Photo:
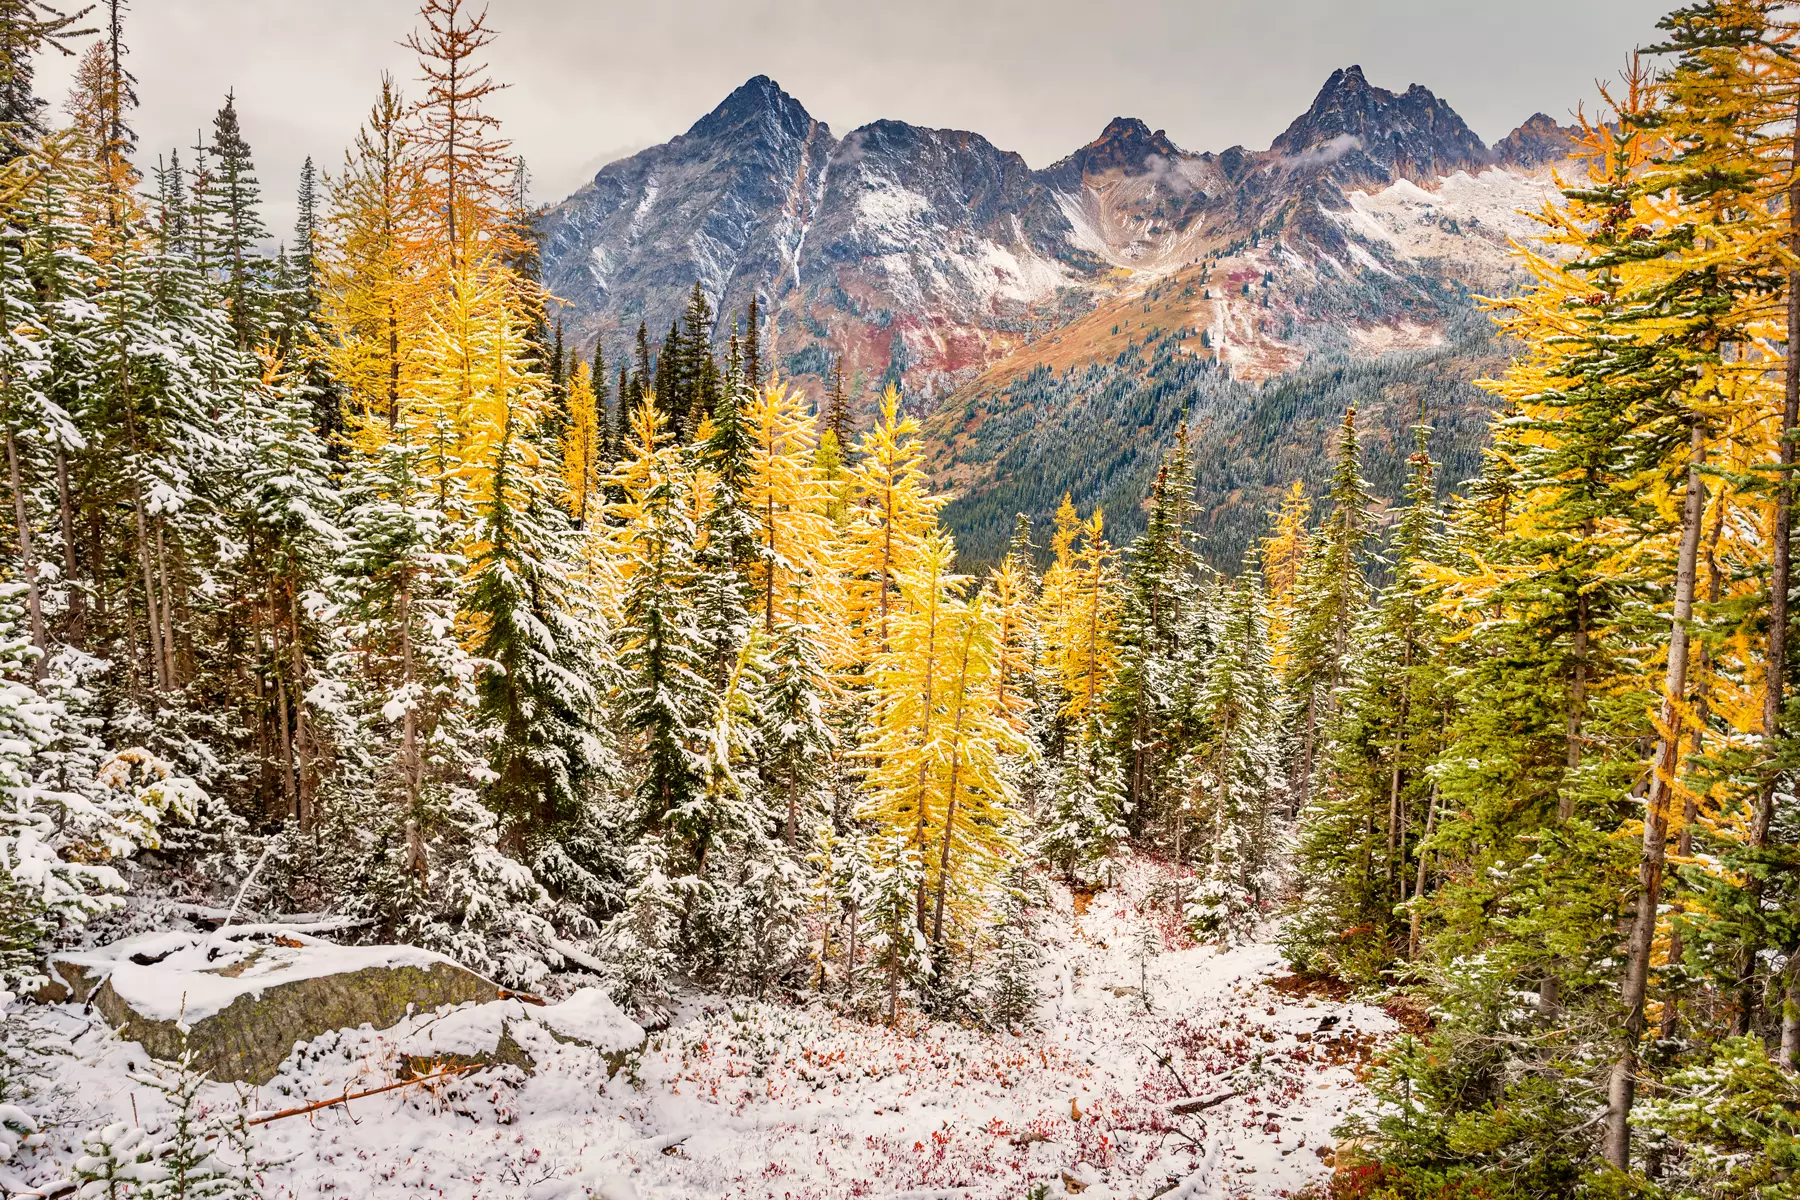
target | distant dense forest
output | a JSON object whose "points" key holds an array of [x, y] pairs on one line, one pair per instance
{"points": [[1098, 434]]}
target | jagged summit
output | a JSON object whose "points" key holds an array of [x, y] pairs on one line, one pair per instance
{"points": [[932, 255], [1538, 141], [759, 100], [1125, 143], [1412, 132]]}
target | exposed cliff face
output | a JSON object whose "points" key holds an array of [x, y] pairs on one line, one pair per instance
{"points": [[1363, 132], [934, 257], [1537, 143], [727, 203]]}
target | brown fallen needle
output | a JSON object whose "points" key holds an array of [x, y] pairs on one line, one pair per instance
{"points": [[349, 1096]]}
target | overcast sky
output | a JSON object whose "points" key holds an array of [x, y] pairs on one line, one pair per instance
{"points": [[594, 80]]}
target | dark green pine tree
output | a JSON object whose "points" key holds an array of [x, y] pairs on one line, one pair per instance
{"points": [[26, 27], [202, 214], [1021, 547], [525, 257], [666, 699], [556, 368], [1359, 836], [1158, 582], [171, 211], [1330, 596], [300, 335], [728, 453], [642, 378], [670, 360], [235, 200], [537, 702], [730, 541], [602, 397], [699, 379], [621, 427], [837, 407], [753, 367]]}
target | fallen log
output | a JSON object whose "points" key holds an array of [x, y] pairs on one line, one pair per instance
{"points": [[347, 1097], [1189, 1107]]}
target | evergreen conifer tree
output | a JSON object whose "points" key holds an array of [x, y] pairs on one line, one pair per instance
{"points": [[235, 196]]}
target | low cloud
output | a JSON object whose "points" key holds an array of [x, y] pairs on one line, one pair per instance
{"points": [[1182, 176], [1325, 152]]}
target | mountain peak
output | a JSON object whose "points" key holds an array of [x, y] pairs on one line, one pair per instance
{"points": [[1129, 132], [757, 100], [1126, 144], [1413, 131], [1538, 141]]}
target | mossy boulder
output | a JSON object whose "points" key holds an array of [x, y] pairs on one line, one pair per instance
{"points": [[239, 1007]]}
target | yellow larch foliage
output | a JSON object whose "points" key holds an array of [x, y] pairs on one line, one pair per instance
{"points": [[98, 102], [790, 502], [905, 680], [370, 271], [1078, 610], [475, 375], [649, 463], [583, 455], [1053, 595], [934, 785], [893, 511], [1009, 600], [1283, 553], [975, 798]]}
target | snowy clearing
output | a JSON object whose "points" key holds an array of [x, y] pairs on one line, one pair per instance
{"points": [[771, 1100]]}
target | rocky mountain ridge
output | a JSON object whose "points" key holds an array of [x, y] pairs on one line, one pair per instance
{"points": [[931, 255], [1061, 325]]}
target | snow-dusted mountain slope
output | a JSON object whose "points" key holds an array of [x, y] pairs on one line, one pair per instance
{"points": [[932, 255]]}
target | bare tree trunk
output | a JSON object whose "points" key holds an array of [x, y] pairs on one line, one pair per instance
{"points": [[97, 566], [152, 622], [1684, 837], [850, 955], [1622, 1086], [411, 761], [1578, 653], [1394, 816], [1550, 987], [937, 910], [1790, 1012], [289, 787], [1306, 754], [27, 559], [393, 382], [956, 733], [1180, 884], [1780, 569], [791, 829], [168, 605], [76, 632], [303, 748], [1412, 937]]}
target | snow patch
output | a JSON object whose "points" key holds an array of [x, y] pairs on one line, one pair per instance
{"points": [[177, 976], [747, 1100]]}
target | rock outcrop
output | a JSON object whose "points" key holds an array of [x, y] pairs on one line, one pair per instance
{"points": [[240, 1002]]}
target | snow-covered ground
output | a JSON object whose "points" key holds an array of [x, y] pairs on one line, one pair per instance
{"points": [[769, 1100]]}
